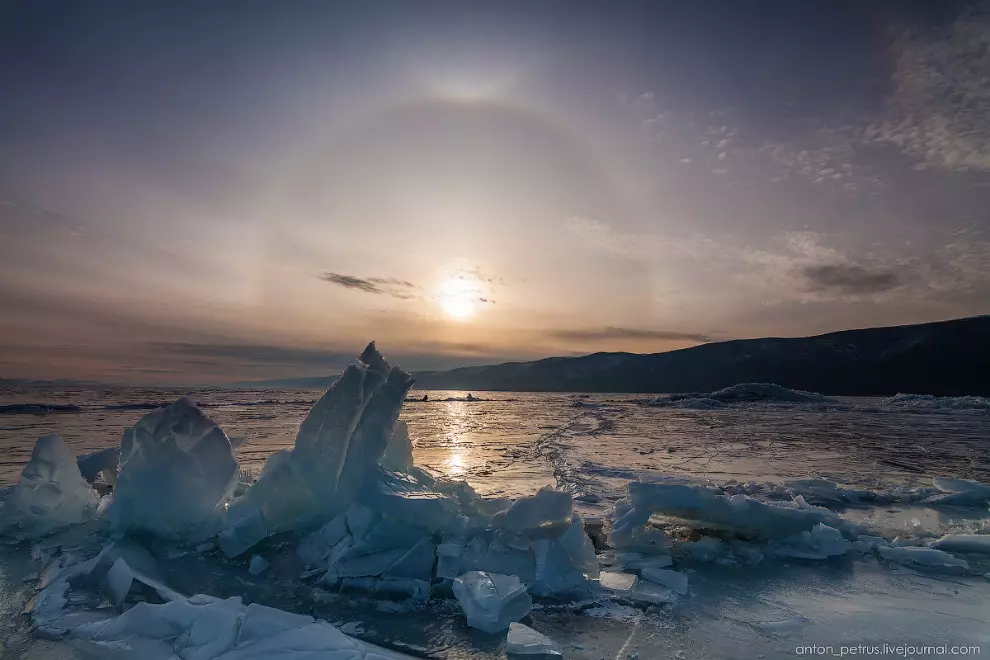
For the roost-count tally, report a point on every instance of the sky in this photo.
(207, 192)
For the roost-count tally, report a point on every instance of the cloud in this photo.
(610, 332)
(256, 354)
(801, 267)
(939, 109)
(378, 285)
(850, 278)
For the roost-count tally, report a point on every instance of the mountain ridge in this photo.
(946, 358)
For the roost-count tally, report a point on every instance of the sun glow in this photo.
(458, 296)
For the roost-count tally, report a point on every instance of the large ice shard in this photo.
(960, 492)
(177, 470)
(973, 543)
(51, 492)
(399, 455)
(491, 601)
(696, 505)
(103, 462)
(918, 556)
(340, 443)
(523, 640)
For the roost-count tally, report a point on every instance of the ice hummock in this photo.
(51, 492)
(343, 438)
(177, 471)
(741, 393)
(491, 601)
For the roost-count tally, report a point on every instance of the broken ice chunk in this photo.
(743, 515)
(922, 557)
(117, 583)
(578, 546)
(195, 629)
(644, 591)
(975, 543)
(620, 584)
(673, 580)
(103, 462)
(416, 563)
(547, 509)
(244, 527)
(491, 601)
(555, 573)
(399, 453)
(406, 497)
(523, 640)
(177, 470)
(706, 548)
(51, 492)
(128, 562)
(449, 560)
(821, 542)
(258, 565)
(960, 492)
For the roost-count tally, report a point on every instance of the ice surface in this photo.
(177, 470)
(51, 492)
(523, 640)
(974, 543)
(547, 508)
(491, 601)
(399, 453)
(673, 580)
(919, 556)
(342, 440)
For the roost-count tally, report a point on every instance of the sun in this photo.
(458, 296)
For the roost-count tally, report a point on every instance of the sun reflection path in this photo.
(457, 424)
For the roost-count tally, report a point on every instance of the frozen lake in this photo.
(510, 444)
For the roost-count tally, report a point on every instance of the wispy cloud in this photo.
(377, 285)
(939, 109)
(609, 333)
(634, 245)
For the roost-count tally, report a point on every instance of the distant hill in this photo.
(946, 358)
